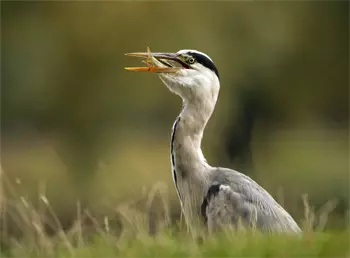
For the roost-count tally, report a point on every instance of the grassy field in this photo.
(150, 232)
(169, 245)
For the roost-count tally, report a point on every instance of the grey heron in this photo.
(220, 197)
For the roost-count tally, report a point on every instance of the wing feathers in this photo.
(223, 207)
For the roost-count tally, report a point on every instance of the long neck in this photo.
(186, 154)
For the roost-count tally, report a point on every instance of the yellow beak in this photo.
(161, 57)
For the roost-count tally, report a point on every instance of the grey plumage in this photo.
(237, 198)
(219, 196)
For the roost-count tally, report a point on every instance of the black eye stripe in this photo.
(205, 61)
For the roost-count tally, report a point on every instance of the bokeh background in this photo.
(76, 126)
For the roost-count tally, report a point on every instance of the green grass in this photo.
(125, 233)
(166, 245)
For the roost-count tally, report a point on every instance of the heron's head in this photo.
(188, 73)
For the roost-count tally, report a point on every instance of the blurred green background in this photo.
(76, 125)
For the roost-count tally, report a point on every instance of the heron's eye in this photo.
(191, 60)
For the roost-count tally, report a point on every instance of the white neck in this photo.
(191, 171)
(187, 157)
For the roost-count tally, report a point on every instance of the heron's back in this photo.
(234, 195)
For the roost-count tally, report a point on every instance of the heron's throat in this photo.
(186, 154)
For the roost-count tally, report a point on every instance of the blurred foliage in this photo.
(75, 123)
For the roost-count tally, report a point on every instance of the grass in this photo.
(168, 245)
(147, 230)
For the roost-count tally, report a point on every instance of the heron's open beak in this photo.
(166, 59)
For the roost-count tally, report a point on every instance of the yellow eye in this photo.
(191, 60)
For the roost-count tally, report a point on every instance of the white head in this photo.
(196, 79)
(189, 73)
